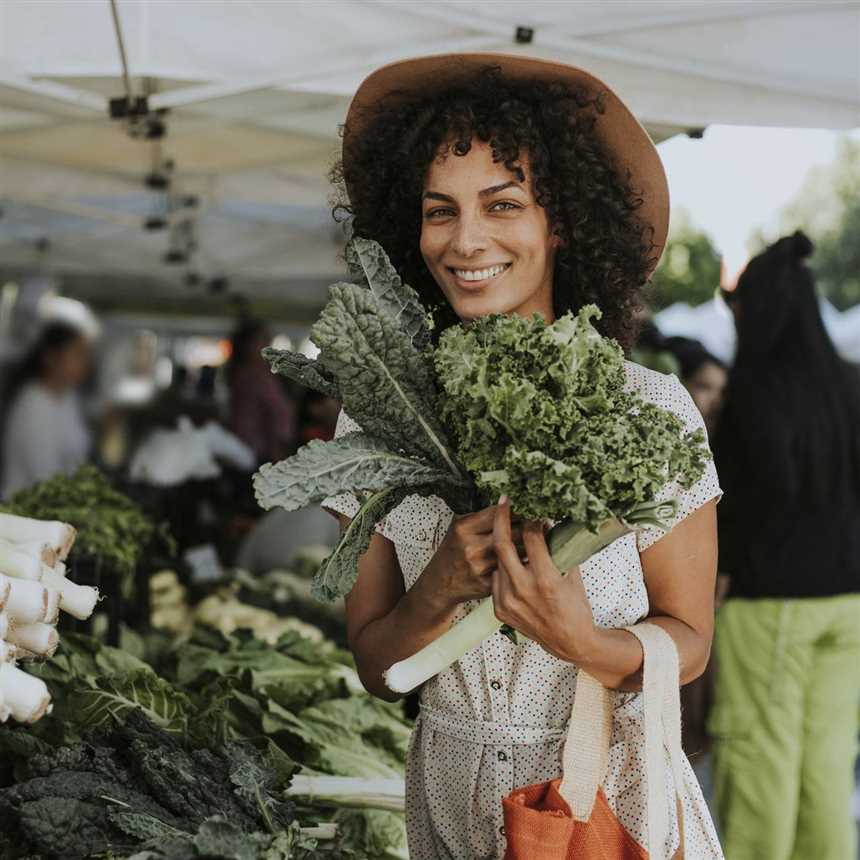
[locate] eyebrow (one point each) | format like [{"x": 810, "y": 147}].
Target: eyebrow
[{"x": 487, "y": 192}]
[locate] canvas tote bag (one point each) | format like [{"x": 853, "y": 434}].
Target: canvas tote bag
[{"x": 569, "y": 818}]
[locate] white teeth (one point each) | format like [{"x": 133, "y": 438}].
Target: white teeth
[{"x": 479, "y": 274}]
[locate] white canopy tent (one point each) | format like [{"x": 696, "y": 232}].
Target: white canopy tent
[{"x": 254, "y": 90}]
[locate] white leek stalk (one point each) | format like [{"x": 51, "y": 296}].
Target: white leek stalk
[
  {"x": 321, "y": 832},
  {"x": 78, "y": 600},
  {"x": 39, "y": 549},
  {"x": 5, "y": 588},
  {"x": 41, "y": 639},
  {"x": 373, "y": 793},
  {"x": 570, "y": 544},
  {"x": 18, "y": 564},
  {"x": 26, "y": 697},
  {"x": 52, "y": 608},
  {"x": 8, "y": 652},
  {"x": 27, "y": 601},
  {"x": 59, "y": 536}
]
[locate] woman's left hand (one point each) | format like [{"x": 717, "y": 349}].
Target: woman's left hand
[{"x": 534, "y": 598}]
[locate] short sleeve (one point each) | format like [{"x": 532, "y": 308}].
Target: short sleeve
[
  {"x": 346, "y": 503},
  {"x": 675, "y": 397}
]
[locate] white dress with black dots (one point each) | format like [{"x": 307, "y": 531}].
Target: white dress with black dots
[{"x": 496, "y": 719}]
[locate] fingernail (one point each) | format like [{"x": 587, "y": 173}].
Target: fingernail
[{"x": 503, "y": 500}]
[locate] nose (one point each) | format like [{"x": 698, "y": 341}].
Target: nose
[{"x": 469, "y": 236}]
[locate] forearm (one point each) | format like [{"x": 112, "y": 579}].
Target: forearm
[
  {"x": 614, "y": 657},
  {"x": 420, "y": 617}
]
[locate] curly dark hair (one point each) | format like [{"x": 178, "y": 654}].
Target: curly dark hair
[{"x": 605, "y": 254}]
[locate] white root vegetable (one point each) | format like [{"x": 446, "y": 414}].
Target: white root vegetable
[
  {"x": 27, "y": 602},
  {"x": 38, "y": 549},
  {"x": 78, "y": 600},
  {"x": 4, "y": 625},
  {"x": 41, "y": 639},
  {"x": 26, "y": 697},
  {"x": 18, "y": 564},
  {"x": 5, "y": 587},
  {"x": 8, "y": 652},
  {"x": 52, "y": 608},
  {"x": 60, "y": 536}
]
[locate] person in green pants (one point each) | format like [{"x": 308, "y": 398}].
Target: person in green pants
[{"x": 787, "y": 642}]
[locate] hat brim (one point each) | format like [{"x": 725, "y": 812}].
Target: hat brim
[{"x": 633, "y": 152}]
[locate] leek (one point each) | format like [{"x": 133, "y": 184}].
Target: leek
[{"x": 570, "y": 544}]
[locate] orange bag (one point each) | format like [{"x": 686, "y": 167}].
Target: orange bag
[{"x": 570, "y": 818}]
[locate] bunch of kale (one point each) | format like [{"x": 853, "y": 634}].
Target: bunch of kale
[{"x": 504, "y": 405}]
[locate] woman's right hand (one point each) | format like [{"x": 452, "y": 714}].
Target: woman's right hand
[{"x": 462, "y": 567}]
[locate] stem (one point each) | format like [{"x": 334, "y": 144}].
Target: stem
[{"x": 570, "y": 544}]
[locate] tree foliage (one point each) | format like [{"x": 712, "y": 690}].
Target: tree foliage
[
  {"x": 827, "y": 209},
  {"x": 689, "y": 270}
]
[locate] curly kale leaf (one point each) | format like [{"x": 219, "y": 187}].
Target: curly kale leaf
[{"x": 541, "y": 414}]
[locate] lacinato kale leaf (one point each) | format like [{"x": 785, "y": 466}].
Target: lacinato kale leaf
[
  {"x": 309, "y": 372},
  {"x": 386, "y": 384},
  {"x": 122, "y": 788},
  {"x": 369, "y": 265}
]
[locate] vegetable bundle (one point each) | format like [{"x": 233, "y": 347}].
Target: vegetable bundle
[
  {"x": 33, "y": 590},
  {"x": 504, "y": 405}
]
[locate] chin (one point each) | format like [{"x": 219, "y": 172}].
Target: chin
[{"x": 470, "y": 308}]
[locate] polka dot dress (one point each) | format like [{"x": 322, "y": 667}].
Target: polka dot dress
[{"x": 495, "y": 721}]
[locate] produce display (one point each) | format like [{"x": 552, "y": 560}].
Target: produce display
[
  {"x": 504, "y": 406},
  {"x": 33, "y": 590},
  {"x": 222, "y": 747},
  {"x": 111, "y": 528}
]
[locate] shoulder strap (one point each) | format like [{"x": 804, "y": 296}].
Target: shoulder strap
[{"x": 586, "y": 748}]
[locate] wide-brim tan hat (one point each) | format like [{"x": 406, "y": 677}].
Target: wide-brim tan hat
[{"x": 622, "y": 135}]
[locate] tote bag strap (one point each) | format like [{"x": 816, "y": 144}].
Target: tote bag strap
[{"x": 586, "y": 748}]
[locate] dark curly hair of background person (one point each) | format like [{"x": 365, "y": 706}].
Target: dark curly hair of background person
[{"x": 605, "y": 253}]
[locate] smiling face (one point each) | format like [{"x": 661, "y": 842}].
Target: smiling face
[{"x": 485, "y": 239}]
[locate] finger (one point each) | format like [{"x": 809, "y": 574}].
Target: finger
[
  {"x": 479, "y": 522},
  {"x": 499, "y": 590},
  {"x": 536, "y": 548},
  {"x": 505, "y": 549}
]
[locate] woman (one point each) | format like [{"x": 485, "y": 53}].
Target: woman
[
  {"x": 498, "y": 185},
  {"x": 788, "y": 640},
  {"x": 261, "y": 415},
  {"x": 45, "y": 432}
]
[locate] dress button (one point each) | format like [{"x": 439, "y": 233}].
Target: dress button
[
  {"x": 496, "y": 685},
  {"x": 422, "y": 535},
  {"x": 502, "y": 755},
  {"x": 502, "y": 830}
]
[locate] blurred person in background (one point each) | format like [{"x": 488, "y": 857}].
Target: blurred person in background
[
  {"x": 45, "y": 432},
  {"x": 261, "y": 414},
  {"x": 278, "y": 535},
  {"x": 317, "y": 416},
  {"x": 703, "y": 375},
  {"x": 787, "y": 644}
]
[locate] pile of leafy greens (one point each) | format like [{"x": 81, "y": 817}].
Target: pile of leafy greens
[
  {"x": 504, "y": 405},
  {"x": 112, "y": 529},
  {"x": 113, "y": 769}
]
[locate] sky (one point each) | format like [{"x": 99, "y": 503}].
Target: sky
[{"x": 738, "y": 178}]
